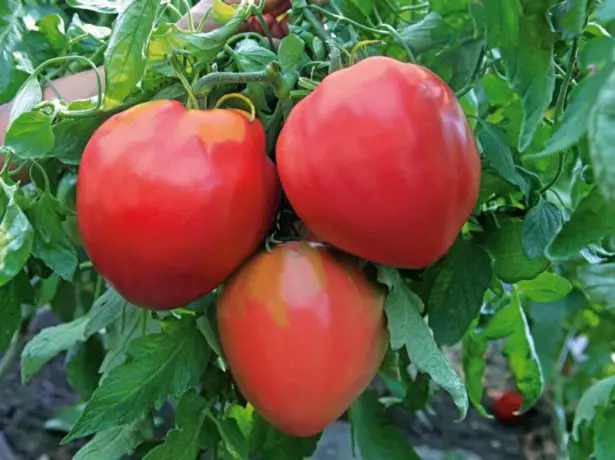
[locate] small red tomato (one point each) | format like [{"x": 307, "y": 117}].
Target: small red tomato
[
  {"x": 381, "y": 162},
  {"x": 506, "y": 405},
  {"x": 304, "y": 333},
  {"x": 171, "y": 201}
]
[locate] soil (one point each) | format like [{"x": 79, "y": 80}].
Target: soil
[{"x": 437, "y": 435}]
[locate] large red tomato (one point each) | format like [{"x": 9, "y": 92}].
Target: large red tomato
[
  {"x": 304, "y": 333},
  {"x": 380, "y": 161},
  {"x": 170, "y": 201}
]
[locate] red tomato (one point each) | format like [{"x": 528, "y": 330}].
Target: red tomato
[
  {"x": 380, "y": 161},
  {"x": 304, "y": 333},
  {"x": 506, "y": 405},
  {"x": 170, "y": 201}
]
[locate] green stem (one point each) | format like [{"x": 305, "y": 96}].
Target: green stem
[
  {"x": 418, "y": 6},
  {"x": 561, "y": 97},
  {"x": 265, "y": 27},
  {"x": 11, "y": 354},
  {"x": 99, "y": 287},
  {"x": 400, "y": 40},
  {"x": 271, "y": 74},
  {"x": 179, "y": 71},
  {"x": 317, "y": 26}
]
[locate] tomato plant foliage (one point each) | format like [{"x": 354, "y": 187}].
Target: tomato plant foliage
[{"x": 531, "y": 269}]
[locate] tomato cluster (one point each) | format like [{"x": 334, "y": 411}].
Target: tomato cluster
[{"x": 378, "y": 162}]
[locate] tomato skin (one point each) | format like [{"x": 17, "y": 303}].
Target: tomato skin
[
  {"x": 506, "y": 405},
  {"x": 304, "y": 333},
  {"x": 170, "y": 201},
  {"x": 381, "y": 162}
]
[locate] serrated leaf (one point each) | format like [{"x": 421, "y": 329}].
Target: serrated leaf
[
  {"x": 495, "y": 149},
  {"x": 546, "y": 287},
  {"x": 82, "y": 363},
  {"x": 251, "y": 56},
  {"x": 11, "y": 296},
  {"x": 376, "y": 438},
  {"x": 30, "y": 136},
  {"x": 457, "y": 293},
  {"x": 51, "y": 243},
  {"x": 16, "y": 236},
  {"x": 181, "y": 443},
  {"x": 106, "y": 309},
  {"x": 48, "y": 343},
  {"x": 601, "y": 136},
  {"x": 11, "y": 36},
  {"x": 540, "y": 226},
  {"x": 511, "y": 263},
  {"x": 590, "y": 222},
  {"x": 234, "y": 440},
  {"x": 598, "y": 282},
  {"x": 407, "y": 329},
  {"x": 290, "y": 52},
  {"x": 583, "y": 97},
  {"x": 430, "y": 32},
  {"x": 125, "y": 57},
  {"x": 597, "y": 398},
  {"x": 164, "y": 364},
  {"x": 71, "y": 136},
  {"x": 111, "y": 444},
  {"x": 457, "y": 65},
  {"x": 522, "y": 33},
  {"x": 510, "y": 322}
]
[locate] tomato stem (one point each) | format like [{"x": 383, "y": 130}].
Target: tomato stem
[
  {"x": 272, "y": 75},
  {"x": 359, "y": 46}
]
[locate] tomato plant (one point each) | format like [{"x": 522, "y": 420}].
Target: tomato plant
[{"x": 445, "y": 192}]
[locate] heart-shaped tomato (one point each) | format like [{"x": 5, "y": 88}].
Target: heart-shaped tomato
[
  {"x": 170, "y": 201},
  {"x": 304, "y": 333}
]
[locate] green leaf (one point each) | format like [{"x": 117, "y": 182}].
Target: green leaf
[
  {"x": 290, "y": 52},
  {"x": 430, "y": 32},
  {"x": 606, "y": 13},
  {"x": 234, "y": 440},
  {"x": 52, "y": 28},
  {"x": 71, "y": 136},
  {"x": 583, "y": 98},
  {"x": 11, "y": 36},
  {"x": 569, "y": 17},
  {"x": 82, "y": 363},
  {"x": 111, "y": 444},
  {"x": 408, "y": 329},
  {"x": 601, "y": 135},
  {"x": 458, "y": 65},
  {"x": 30, "y": 136},
  {"x": 164, "y": 364},
  {"x": 26, "y": 99},
  {"x": 457, "y": 293},
  {"x": 100, "y": 6},
  {"x": 51, "y": 243},
  {"x": 598, "y": 282},
  {"x": 181, "y": 443},
  {"x": 474, "y": 364},
  {"x": 522, "y": 33},
  {"x": 11, "y": 297},
  {"x": 106, "y": 309},
  {"x": 510, "y": 322},
  {"x": 125, "y": 57},
  {"x": 16, "y": 236},
  {"x": 595, "y": 400},
  {"x": 546, "y": 287},
  {"x": 590, "y": 222},
  {"x": 252, "y": 57},
  {"x": 511, "y": 263},
  {"x": 48, "y": 343},
  {"x": 540, "y": 226},
  {"x": 495, "y": 149},
  {"x": 376, "y": 438}
]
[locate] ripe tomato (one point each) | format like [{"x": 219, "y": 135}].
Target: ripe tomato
[
  {"x": 506, "y": 405},
  {"x": 170, "y": 201},
  {"x": 380, "y": 161},
  {"x": 304, "y": 333}
]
